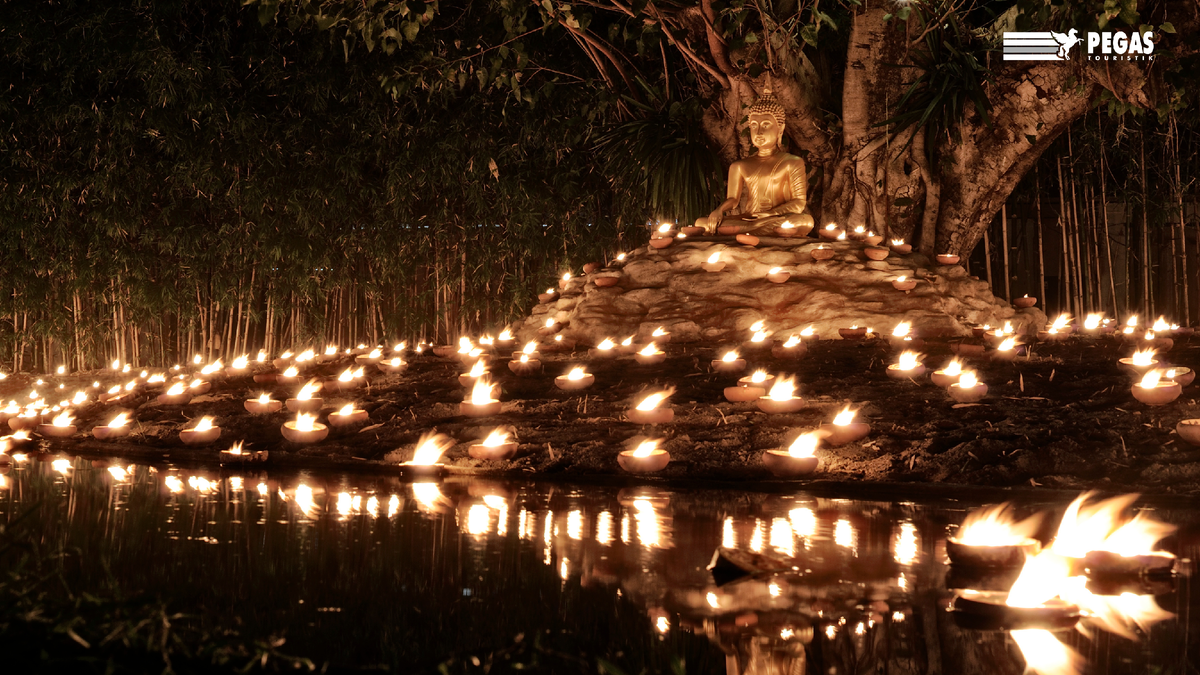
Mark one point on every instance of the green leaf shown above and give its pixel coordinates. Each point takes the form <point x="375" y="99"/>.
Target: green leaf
<point x="1167" y="27"/>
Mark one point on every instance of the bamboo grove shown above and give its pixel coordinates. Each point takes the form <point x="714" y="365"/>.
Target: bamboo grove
<point x="177" y="178"/>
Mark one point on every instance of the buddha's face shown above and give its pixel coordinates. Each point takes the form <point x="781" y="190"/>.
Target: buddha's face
<point x="764" y="131"/>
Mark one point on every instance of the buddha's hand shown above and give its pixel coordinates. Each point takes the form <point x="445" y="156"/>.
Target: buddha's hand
<point x="715" y="218"/>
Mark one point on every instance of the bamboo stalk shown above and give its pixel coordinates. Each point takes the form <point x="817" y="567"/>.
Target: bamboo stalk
<point x="1065" y="269"/>
<point x="1041" y="245"/>
<point x="1146" y="297"/>
<point x="1004" y="244"/>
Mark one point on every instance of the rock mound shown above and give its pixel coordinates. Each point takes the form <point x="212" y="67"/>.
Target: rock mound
<point x="668" y="287"/>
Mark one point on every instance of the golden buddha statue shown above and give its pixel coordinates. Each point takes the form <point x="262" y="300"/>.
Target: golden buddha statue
<point x="768" y="188"/>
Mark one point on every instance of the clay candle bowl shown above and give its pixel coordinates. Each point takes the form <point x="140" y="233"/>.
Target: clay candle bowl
<point x="908" y="366"/>
<point x="747" y="239"/>
<point x="176" y="395"/>
<point x="289" y="376"/>
<point x="505" y="341"/>
<point x="729" y="363"/>
<point x="480" y="403"/>
<point x="714" y="263"/>
<point x="425" y="458"/>
<point x="780" y="398"/>
<point x="968" y="389"/>
<point x="607" y="280"/>
<point x="305" y="401"/>
<point x="607" y="349"/>
<point x="575" y="380"/>
<point x="963" y="348"/>
<point x="1153" y="390"/>
<point x="948" y="375"/>
<point x="650" y="355"/>
<point x="304" y="429"/>
<point x="239" y="367"/>
<point x="853" y="332"/>
<point x="876" y="253"/>
<point x="646" y="458"/>
<point x="793" y="348"/>
<point x="1007" y="350"/>
<point x="831" y="232"/>
<point x="900" y="247"/>
<point x="330" y="354"/>
<point x="60" y="426"/>
<point x="661" y="242"/>
<point x="25" y="421"/>
<point x="844" y="429"/>
<point x="797" y="460"/>
<point x="393" y="365"/>
<point x="1140" y="363"/>
<point x="648" y="411"/>
<point x="523" y="365"/>
<point x="495" y="446"/>
<point x="530" y="350"/>
<point x="347" y="416"/>
<point x="117" y="427"/>
<point x="200" y="387"/>
<point x="445" y="351"/>
<point x="745" y="394"/>
<point x="778" y="275"/>
<point x="369" y="359"/>
<point x="477" y="371"/>
<point x="263" y="404"/>
<point x="947" y="259"/>
<point x="1183" y="376"/>
<point x="1189" y="431"/>
<point x="1024" y="302"/>
<point x="821" y="253"/>
<point x="543" y="298"/>
<point x="873" y="239"/>
<point x="203" y="433"/>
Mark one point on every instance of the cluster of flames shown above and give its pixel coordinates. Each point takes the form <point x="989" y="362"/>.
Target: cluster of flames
<point x="1088" y="525"/>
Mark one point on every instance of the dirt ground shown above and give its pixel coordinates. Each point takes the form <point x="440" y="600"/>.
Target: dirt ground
<point x="1062" y="418"/>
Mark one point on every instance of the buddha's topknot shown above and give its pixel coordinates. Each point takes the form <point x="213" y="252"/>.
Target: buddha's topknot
<point x="766" y="104"/>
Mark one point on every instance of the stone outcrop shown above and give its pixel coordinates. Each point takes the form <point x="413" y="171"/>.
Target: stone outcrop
<point x="669" y="288"/>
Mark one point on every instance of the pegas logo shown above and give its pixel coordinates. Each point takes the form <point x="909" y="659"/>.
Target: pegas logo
<point x="1052" y="46"/>
<point x="1121" y="47"/>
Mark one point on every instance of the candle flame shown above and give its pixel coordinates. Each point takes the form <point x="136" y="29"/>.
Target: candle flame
<point x="347" y="375"/>
<point x="235" y="449"/>
<point x="665" y="227"/>
<point x="1150" y="379"/>
<point x="996" y="526"/>
<point x="1008" y="328"/>
<point x="897" y="242"/>
<point x="331" y="350"/>
<point x="757" y="326"/>
<point x="80" y="398"/>
<point x="808" y="332"/>
<point x="1008" y="344"/>
<point x="478" y="369"/>
<point x="262" y="356"/>
<point x="175" y="390"/>
<point x="606" y="344"/>
<point x="759" y="336"/>
<point x="264" y="398"/>
<point x="306" y="392"/>
<point x="730" y="356"/>
<point x="204" y="424"/>
<point x="430" y="448"/>
<point x="1144" y="357"/>
<point x="1060" y="322"/>
<point x="63" y="419"/>
<point x="714" y="258"/>
<point x="1132" y="321"/>
<point x="577" y="373"/>
<point x="1161" y="325"/>
<point x="495" y="438"/>
<point x="1092" y="322"/>
<point x="967" y="379"/>
<point x="831" y="227"/>
<point x="658" y="332"/>
<point x="119" y="421"/>
<point x="550" y="322"/>
<point x="805" y="445"/>
<point x="627" y="341"/>
<point x="375" y="353"/>
<point x="396" y="362"/>
<point x="566" y="277"/>
<point x="841" y="236"/>
<point x="652" y="401"/>
<point x="346" y="410"/>
<point x="901" y="278"/>
<point x="530" y="347"/>
<point x="775" y="270"/>
<point x="759" y="376"/>
<point x="908" y="360"/>
<point x="524" y="358"/>
<point x="481" y="393"/>
<point x="902" y="329"/>
<point x="292" y="371"/>
<point x="845" y="417"/>
<point x="306" y="355"/>
<point x="506" y="334"/>
<point x="464" y="345"/>
<point x="649" y="350"/>
<point x="646" y="448"/>
<point x="783" y="389"/>
<point x="304" y="422"/>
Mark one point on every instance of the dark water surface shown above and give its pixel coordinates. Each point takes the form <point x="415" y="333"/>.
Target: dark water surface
<point x="358" y="571"/>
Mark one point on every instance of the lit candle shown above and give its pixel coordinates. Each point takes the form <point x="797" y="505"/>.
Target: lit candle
<point x="370" y="358"/>
<point x="304" y="429"/>
<point x="903" y="283"/>
<point x="393" y="365"/>
<point x="821" y="252"/>
<point x="792" y="348"/>
<point x="574" y="380"/>
<point x="495" y="446"/>
<point x="729" y="363"/>
<point x="948" y="375"/>
<point x="1007" y="349"/>
<point x="647" y="457"/>
<point x="855" y="332"/>
<point x="1154" y="390"/>
<point x="116" y="428"/>
<point x="1140" y="363"/>
<point x="780" y="398"/>
<point x="203" y="433"/>
<point x="530" y="349"/>
<point x="524" y="365"/>
<point x="899" y="246"/>
<point x="650" y="355"/>
<point x="844" y="429"/>
<point x="480" y="403"/>
<point x="947" y="259"/>
<point x="62" y="426"/>
<point x="1024" y="302"/>
<point x="605" y="350"/>
<point x="305" y="400"/>
<point x="660" y="335"/>
<point x="477" y="371"/>
<point x="347" y="415"/>
<point x="908" y="366"/>
<point x="778" y="275"/>
<point x="426" y="455"/>
<point x="798" y="459"/>
<point x="177" y="394"/>
<point x="968" y="389"/>
<point x="505" y="340"/>
<point x="831" y="232"/>
<point x="648" y="410"/>
<point x="713" y="263"/>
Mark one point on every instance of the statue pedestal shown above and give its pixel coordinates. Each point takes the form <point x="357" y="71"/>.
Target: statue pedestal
<point x="670" y="288"/>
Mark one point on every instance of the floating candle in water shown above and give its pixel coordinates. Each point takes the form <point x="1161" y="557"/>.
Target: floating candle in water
<point x="645" y="458"/>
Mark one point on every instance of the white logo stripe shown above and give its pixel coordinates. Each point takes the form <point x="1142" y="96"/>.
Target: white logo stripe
<point x="1031" y="57"/>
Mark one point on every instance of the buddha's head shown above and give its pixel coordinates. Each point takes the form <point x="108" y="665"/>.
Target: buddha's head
<point x="766" y="121"/>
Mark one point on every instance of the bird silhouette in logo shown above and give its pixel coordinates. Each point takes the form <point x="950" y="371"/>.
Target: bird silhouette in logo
<point x="1065" y="42"/>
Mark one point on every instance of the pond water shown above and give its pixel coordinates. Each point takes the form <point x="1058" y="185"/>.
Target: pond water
<point x="356" y="571"/>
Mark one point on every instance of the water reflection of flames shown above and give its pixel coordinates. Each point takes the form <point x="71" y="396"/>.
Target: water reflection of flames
<point x="756" y="539"/>
<point x="907" y="547"/>
<point x="478" y="519"/>
<point x="575" y="525"/>
<point x="604" y="528"/>
<point x="651" y="532"/>
<point x="804" y="521"/>
<point x="1099" y="527"/>
<point x="428" y="496"/>
<point x="996" y="526"/>
<point x="1045" y="654"/>
<point x="843" y="533"/>
<point x="304" y="500"/>
<point x="728" y="534"/>
<point x="782" y="537"/>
